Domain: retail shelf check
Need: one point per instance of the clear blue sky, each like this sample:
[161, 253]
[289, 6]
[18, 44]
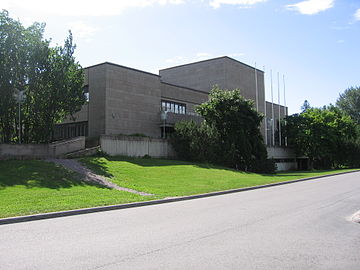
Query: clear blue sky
[315, 43]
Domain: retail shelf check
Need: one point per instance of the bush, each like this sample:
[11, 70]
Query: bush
[229, 135]
[263, 166]
[193, 142]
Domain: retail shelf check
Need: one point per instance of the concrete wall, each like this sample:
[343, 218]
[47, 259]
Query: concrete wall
[283, 110]
[283, 113]
[23, 151]
[286, 166]
[285, 158]
[280, 152]
[173, 118]
[242, 76]
[79, 116]
[225, 72]
[201, 75]
[135, 146]
[35, 151]
[132, 102]
[189, 96]
[97, 81]
[67, 146]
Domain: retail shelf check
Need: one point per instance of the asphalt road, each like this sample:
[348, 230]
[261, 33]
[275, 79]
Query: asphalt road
[297, 226]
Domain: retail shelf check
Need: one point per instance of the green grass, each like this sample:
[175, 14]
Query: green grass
[168, 178]
[32, 187]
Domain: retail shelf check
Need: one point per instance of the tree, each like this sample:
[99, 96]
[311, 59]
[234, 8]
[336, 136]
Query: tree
[321, 134]
[195, 142]
[349, 102]
[49, 76]
[305, 106]
[237, 123]
[230, 134]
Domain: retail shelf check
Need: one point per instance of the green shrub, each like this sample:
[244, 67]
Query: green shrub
[229, 136]
[263, 166]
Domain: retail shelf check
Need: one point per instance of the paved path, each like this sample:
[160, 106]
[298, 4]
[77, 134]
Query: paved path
[305, 225]
[74, 165]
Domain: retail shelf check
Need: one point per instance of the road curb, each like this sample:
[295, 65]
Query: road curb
[12, 220]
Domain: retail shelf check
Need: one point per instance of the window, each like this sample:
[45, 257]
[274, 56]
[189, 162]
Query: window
[173, 107]
[86, 92]
[64, 131]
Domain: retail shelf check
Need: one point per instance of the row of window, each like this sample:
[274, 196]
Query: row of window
[64, 131]
[174, 107]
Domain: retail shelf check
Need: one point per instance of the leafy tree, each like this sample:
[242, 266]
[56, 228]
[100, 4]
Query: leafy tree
[49, 76]
[305, 106]
[349, 102]
[195, 142]
[320, 134]
[237, 123]
[230, 134]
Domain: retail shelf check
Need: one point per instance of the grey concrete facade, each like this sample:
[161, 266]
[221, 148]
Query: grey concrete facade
[40, 151]
[225, 72]
[127, 101]
[131, 146]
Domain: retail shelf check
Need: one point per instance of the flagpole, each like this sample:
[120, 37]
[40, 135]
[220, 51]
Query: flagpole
[256, 90]
[278, 79]
[285, 109]
[272, 111]
[265, 122]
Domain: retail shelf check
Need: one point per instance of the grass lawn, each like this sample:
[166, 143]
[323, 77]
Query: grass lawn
[167, 178]
[31, 187]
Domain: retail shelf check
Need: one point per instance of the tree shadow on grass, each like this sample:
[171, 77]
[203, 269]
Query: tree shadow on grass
[100, 165]
[157, 162]
[34, 173]
[97, 166]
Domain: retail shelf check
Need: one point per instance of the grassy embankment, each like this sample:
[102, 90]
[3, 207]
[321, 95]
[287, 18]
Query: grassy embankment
[30, 187]
[167, 178]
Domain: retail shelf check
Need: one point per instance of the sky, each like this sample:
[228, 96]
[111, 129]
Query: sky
[313, 44]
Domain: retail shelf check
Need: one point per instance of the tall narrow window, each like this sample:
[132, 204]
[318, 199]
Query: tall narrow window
[86, 93]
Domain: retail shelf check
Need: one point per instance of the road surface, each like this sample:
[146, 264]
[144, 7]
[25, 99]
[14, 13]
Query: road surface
[297, 226]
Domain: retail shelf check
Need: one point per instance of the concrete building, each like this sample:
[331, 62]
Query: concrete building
[128, 101]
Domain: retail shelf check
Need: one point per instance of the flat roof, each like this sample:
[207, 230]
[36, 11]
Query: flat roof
[129, 68]
[212, 59]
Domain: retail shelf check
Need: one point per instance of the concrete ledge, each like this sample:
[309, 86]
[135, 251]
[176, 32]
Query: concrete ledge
[41, 151]
[138, 204]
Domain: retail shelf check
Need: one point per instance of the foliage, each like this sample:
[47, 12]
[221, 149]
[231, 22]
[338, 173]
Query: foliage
[195, 142]
[305, 106]
[49, 77]
[229, 136]
[320, 134]
[349, 102]
[262, 166]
